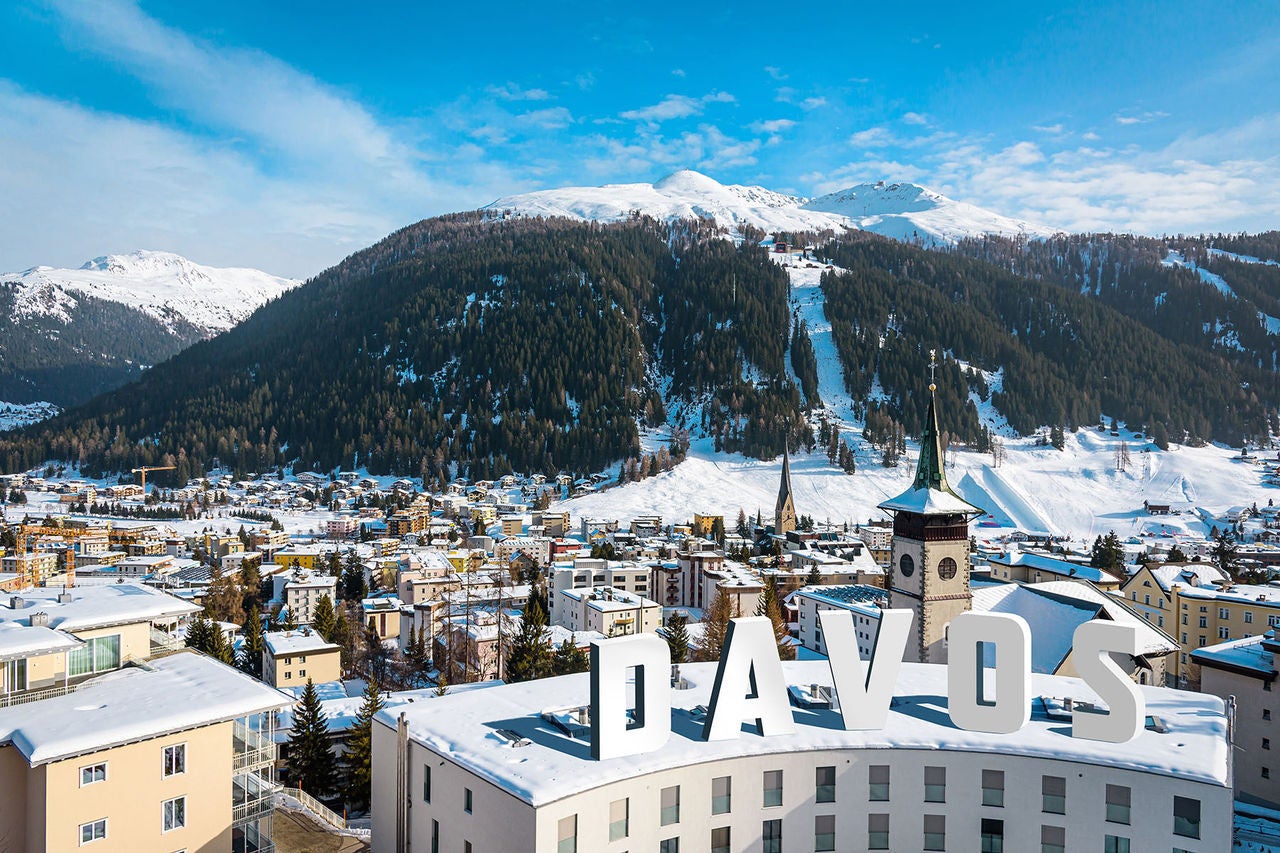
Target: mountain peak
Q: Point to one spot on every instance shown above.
(902, 210)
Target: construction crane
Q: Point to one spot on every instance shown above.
(143, 472)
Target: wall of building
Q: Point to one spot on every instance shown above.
(504, 817)
(134, 792)
(296, 670)
(135, 639)
(1257, 734)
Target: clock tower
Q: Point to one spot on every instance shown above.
(929, 572)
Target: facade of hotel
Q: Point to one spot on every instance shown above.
(510, 769)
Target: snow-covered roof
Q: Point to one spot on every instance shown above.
(1247, 654)
(24, 641)
(463, 728)
(1052, 621)
(96, 606)
(1055, 566)
(182, 691)
(856, 596)
(298, 642)
(1186, 574)
(1151, 640)
(929, 502)
(1244, 593)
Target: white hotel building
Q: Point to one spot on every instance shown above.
(510, 769)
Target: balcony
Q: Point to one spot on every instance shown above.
(251, 750)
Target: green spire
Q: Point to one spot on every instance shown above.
(929, 471)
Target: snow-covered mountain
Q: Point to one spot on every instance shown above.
(162, 285)
(901, 211)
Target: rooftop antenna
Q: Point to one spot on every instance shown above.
(933, 366)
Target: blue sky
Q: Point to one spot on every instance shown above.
(287, 137)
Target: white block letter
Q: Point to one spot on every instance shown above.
(967, 702)
(749, 683)
(1127, 709)
(612, 733)
(864, 690)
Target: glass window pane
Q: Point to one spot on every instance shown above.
(878, 782)
(720, 840)
(618, 819)
(771, 836)
(1118, 804)
(567, 835)
(935, 784)
(878, 831)
(993, 787)
(1186, 817)
(720, 794)
(935, 832)
(772, 788)
(824, 833)
(826, 784)
(1054, 794)
(1053, 839)
(670, 805)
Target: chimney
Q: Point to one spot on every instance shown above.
(17, 602)
(39, 620)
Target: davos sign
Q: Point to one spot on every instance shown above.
(750, 684)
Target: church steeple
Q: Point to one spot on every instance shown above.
(784, 516)
(930, 472)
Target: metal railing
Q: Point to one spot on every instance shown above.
(253, 809)
(26, 696)
(163, 641)
(251, 749)
(321, 811)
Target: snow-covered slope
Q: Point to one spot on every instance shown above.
(161, 284)
(901, 211)
(908, 211)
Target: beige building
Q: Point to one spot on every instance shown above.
(586, 573)
(383, 614)
(292, 658)
(1247, 670)
(174, 757)
(1199, 607)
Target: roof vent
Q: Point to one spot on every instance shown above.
(40, 620)
(17, 602)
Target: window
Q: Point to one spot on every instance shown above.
(1186, 817)
(771, 835)
(93, 773)
(1273, 621)
(993, 787)
(426, 783)
(1146, 599)
(1266, 773)
(619, 819)
(1266, 743)
(670, 805)
(721, 794)
(669, 845)
(1115, 844)
(720, 840)
(175, 760)
(1053, 839)
(935, 832)
(1053, 794)
(16, 675)
(946, 568)
(435, 836)
(98, 654)
(878, 782)
(877, 832)
(1202, 640)
(1118, 804)
(992, 836)
(93, 831)
(1248, 617)
(1223, 613)
(175, 813)
(567, 835)
(302, 673)
(907, 566)
(935, 784)
(825, 782)
(772, 788)
(824, 833)
(466, 800)
(1204, 621)
(1224, 633)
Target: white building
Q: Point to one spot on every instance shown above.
(509, 769)
(586, 573)
(610, 611)
(863, 601)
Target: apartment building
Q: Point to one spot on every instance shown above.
(507, 769)
(1246, 670)
(174, 756)
(300, 592)
(1200, 607)
(292, 658)
(863, 601)
(610, 611)
(586, 573)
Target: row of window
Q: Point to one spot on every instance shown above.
(173, 815)
(173, 762)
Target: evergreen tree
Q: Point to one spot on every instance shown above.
(1175, 555)
(311, 764)
(324, 620)
(715, 625)
(530, 654)
(352, 585)
(357, 761)
(771, 606)
(200, 633)
(677, 637)
(742, 522)
(376, 656)
(569, 659)
(814, 578)
(223, 600)
(1108, 554)
(251, 583)
(1224, 552)
(251, 649)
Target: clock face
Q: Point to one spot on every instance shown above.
(947, 568)
(907, 566)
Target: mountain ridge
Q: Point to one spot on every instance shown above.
(903, 211)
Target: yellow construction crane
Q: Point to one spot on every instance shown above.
(143, 472)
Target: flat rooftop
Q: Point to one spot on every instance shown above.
(465, 729)
(172, 694)
(95, 606)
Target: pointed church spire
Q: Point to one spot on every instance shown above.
(785, 512)
(930, 472)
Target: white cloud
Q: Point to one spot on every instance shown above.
(1051, 129)
(813, 103)
(874, 137)
(514, 92)
(552, 118)
(1131, 117)
(775, 72)
(915, 118)
(776, 125)
(677, 72)
(676, 106)
(1090, 136)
